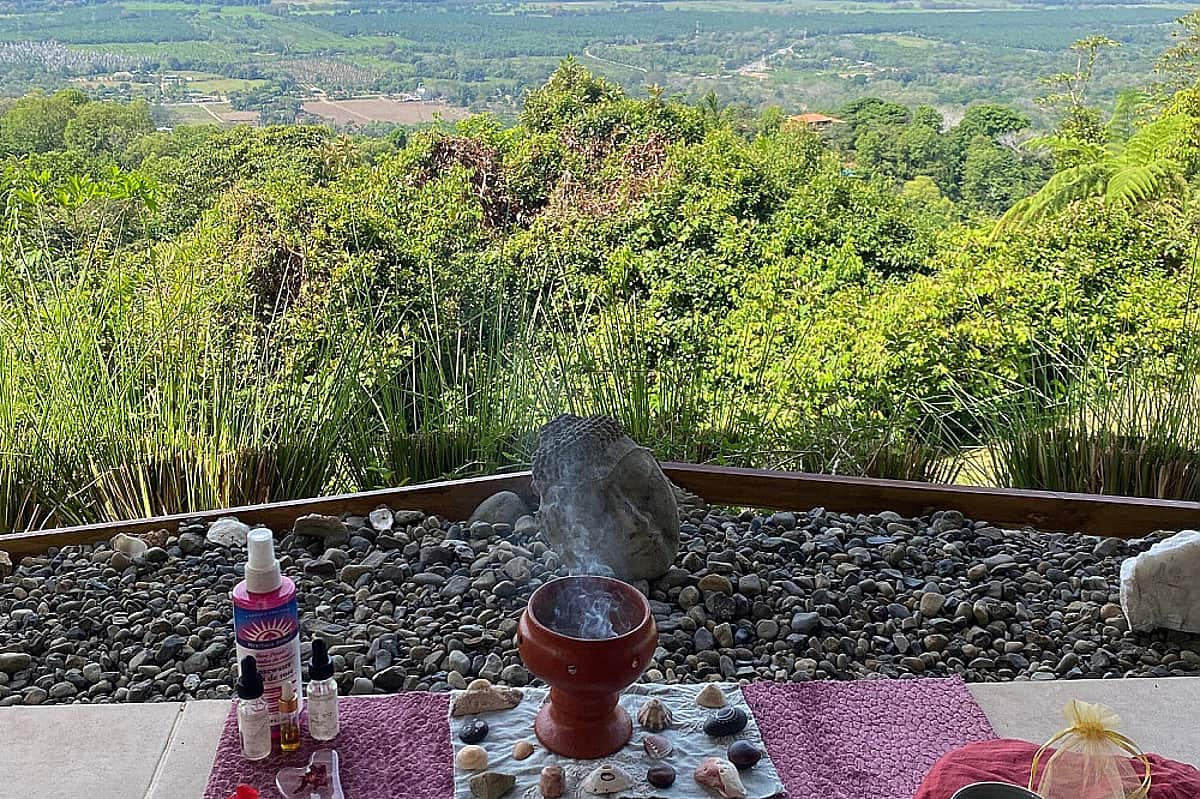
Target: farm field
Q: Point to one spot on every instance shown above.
(382, 109)
(279, 60)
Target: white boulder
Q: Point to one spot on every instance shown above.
(1161, 588)
(228, 532)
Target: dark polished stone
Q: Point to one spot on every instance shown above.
(661, 776)
(743, 754)
(473, 731)
(728, 720)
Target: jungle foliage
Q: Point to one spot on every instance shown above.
(209, 317)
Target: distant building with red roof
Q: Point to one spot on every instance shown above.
(817, 121)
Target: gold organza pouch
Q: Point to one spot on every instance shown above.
(1091, 760)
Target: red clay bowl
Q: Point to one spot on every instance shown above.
(586, 675)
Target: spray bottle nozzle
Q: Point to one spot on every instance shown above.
(262, 567)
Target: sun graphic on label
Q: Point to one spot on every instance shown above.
(268, 629)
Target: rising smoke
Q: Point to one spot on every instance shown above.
(585, 613)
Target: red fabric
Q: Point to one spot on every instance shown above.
(1009, 760)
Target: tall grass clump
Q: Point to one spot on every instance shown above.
(1131, 431)
(463, 399)
(688, 404)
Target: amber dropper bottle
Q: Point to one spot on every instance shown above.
(289, 718)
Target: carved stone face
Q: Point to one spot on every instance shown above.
(605, 504)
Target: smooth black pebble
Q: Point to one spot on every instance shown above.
(473, 731)
(743, 754)
(729, 720)
(661, 776)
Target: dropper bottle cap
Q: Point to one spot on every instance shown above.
(320, 668)
(250, 682)
(288, 702)
(262, 567)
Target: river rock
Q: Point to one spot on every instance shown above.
(1159, 588)
(491, 784)
(661, 776)
(330, 528)
(743, 754)
(130, 546)
(471, 758)
(606, 506)
(473, 731)
(522, 750)
(6, 567)
(483, 697)
(503, 507)
(228, 532)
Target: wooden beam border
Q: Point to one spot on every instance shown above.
(1048, 511)
(454, 499)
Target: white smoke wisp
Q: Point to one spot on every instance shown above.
(586, 613)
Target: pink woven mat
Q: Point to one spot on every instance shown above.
(869, 739)
(393, 746)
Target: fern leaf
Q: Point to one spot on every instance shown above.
(1160, 139)
(1141, 182)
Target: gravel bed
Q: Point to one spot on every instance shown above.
(410, 602)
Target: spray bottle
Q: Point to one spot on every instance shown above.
(266, 622)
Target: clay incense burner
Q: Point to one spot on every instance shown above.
(588, 638)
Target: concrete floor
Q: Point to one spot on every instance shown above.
(165, 751)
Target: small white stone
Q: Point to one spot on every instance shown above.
(228, 532)
(1159, 587)
(128, 545)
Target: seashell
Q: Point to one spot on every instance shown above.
(607, 779)
(743, 754)
(552, 783)
(471, 758)
(655, 716)
(491, 784)
(522, 750)
(483, 697)
(728, 720)
(473, 731)
(711, 696)
(657, 746)
(661, 776)
(721, 776)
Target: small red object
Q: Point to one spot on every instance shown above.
(244, 792)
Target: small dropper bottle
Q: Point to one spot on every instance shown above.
(289, 718)
(253, 715)
(322, 695)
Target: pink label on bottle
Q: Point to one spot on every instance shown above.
(272, 636)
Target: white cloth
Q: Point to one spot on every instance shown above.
(686, 734)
